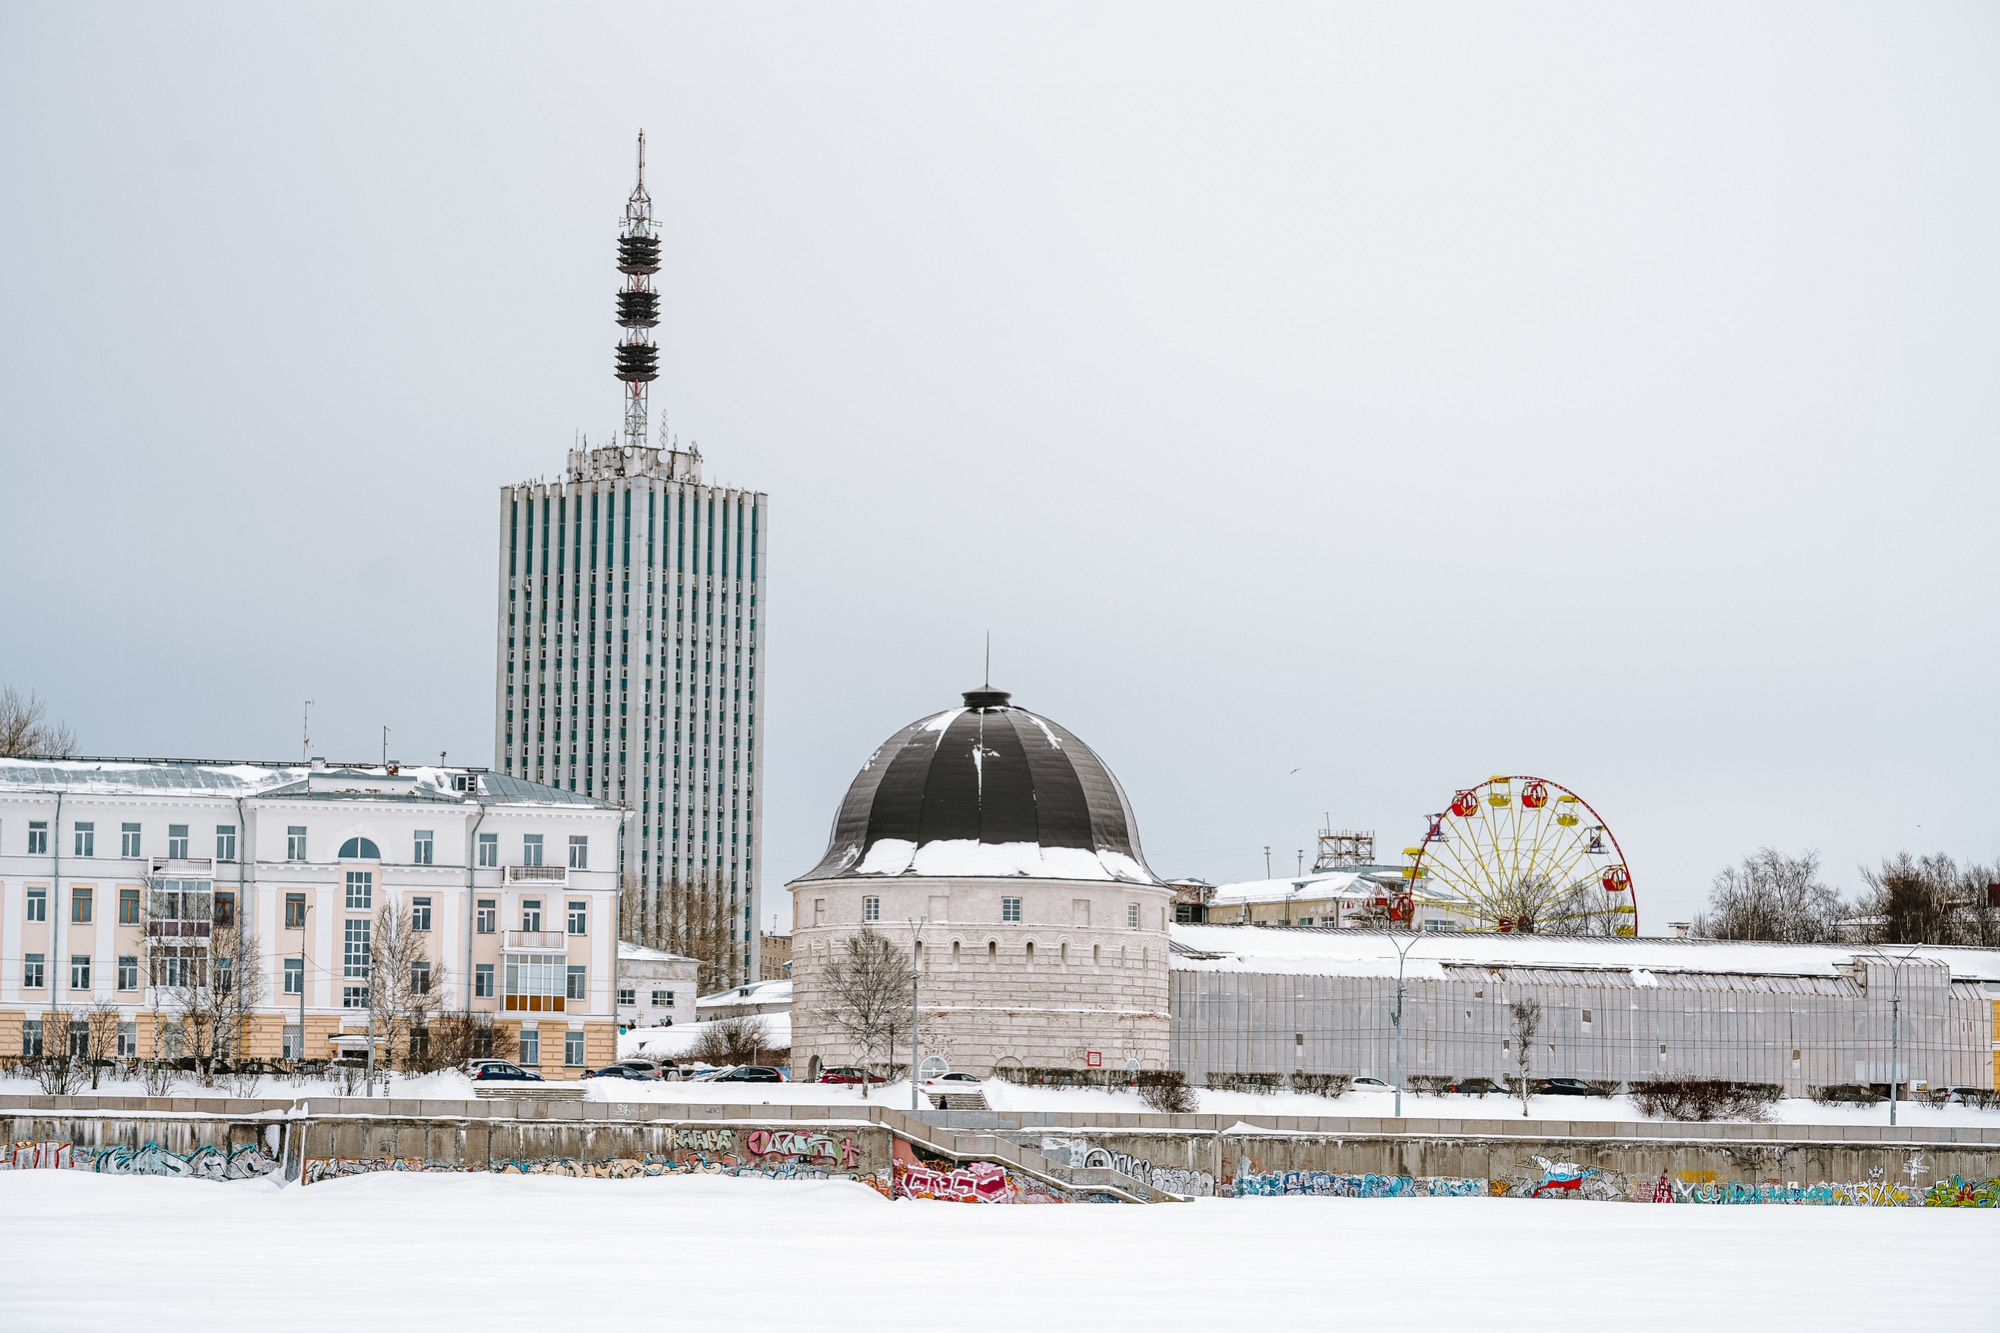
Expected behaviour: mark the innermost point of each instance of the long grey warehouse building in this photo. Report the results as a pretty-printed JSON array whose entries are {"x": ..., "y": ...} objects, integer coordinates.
[{"x": 1284, "y": 1000}]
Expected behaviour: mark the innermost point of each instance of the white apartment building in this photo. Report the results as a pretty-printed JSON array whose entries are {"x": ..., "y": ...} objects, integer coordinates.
[
  {"x": 628, "y": 648},
  {"x": 116, "y": 875},
  {"x": 655, "y": 988}
]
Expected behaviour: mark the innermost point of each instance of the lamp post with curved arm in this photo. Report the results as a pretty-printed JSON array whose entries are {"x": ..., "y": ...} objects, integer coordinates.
[{"x": 1396, "y": 1018}]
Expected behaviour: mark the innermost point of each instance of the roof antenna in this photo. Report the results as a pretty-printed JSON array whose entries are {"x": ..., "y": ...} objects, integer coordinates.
[{"x": 989, "y": 659}]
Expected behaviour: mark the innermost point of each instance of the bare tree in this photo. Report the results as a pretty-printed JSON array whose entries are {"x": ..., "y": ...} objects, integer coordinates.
[
  {"x": 1928, "y": 900},
  {"x": 405, "y": 989},
  {"x": 58, "y": 1065},
  {"x": 1774, "y": 897},
  {"x": 102, "y": 1021},
  {"x": 26, "y": 731},
  {"x": 458, "y": 1037},
  {"x": 1526, "y": 1020},
  {"x": 741, "y": 1040},
  {"x": 865, "y": 991}
]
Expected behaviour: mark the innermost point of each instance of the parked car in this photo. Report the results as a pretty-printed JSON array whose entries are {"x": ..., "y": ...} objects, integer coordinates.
[
  {"x": 1477, "y": 1087},
  {"x": 952, "y": 1082},
  {"x": 842, "y": 1074},
  {"x": 644, "y": 1068},
  {"x": 619, "y": 1071},
  {"x": 1565, "y": 1087},
  {"x": 1367, "y": 1082},
  {"x": 496, "y": 1071},
  {"x": 749, "y": 1074}
]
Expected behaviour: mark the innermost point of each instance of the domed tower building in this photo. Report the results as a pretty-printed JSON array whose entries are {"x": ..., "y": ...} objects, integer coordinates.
[{"x": 1044, "y": 943}]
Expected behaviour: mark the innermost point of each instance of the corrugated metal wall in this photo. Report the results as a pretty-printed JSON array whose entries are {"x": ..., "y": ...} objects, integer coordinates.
[{"x": 1795, "y": 1031}]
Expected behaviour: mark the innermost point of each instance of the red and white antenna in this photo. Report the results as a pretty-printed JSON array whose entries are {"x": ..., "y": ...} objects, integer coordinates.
[{"x": 638, "y": 360}]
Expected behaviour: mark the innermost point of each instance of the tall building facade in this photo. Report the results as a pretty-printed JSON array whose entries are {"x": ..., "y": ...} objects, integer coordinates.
[{"x": 629, "y": 640}]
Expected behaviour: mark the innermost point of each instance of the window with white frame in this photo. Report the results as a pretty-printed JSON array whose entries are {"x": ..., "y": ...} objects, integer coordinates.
[
  {"x": 531, "y": 849},
  {"x": 34, "y": 971},
  {"x": 579, "y": 851},
  {"x": 420, "y": 978},
  {"x": 128, "y": 971},
  {"x": 295, "y": 976},
  {"x": 293, "y": 1048},
  {"x": 225, "y": 842},
  {"x": 489, "y": 850},
  {"x": 129, "y": 841},
  {"x": 420, "y": 913},
  {"x": 531, "y": 914},
  {"x": 1010, "y": 910},
  {"x": 628, "y": 995},
  {"x": 360, "y": 890},
  {"x": 423, "y": 850},
  {"x": 531, "y": 1048},
  {"x": 38, "y": 904},
  {"x": 573, "y": 1049},
  {"x": 128, "y": 1041},
  {"x": 871, "y": 908},
  {"x": 79, "y": 971},
  {"x": 86, "y": 838},
  {"x": 579, "y": 984},
  {"x": 486, "y": 919},
  {"x": 38, "y": 837},
  {"x": 482, "y": 981},
  {"x": 1132, "y": 915},
  {"x": 295, "y": 842},
  {"x": 356, "y": 938},
  {"x": 579, "y": 917},
  {"x": 31, "y": 1039},
  {"x": 177, "y": 842},
  {"x": 354, "y": 997},
  {"x": 534, "y": 983},
  {"x": 663, "y": 998}
]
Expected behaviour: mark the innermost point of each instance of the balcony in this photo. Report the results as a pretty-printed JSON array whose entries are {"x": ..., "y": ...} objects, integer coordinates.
[
  {"x": 558, "y": 875},
  {"x": 182, "y": 867},
  {"x": 157, "y": 929},
  {"x": 535, "y": 941}
]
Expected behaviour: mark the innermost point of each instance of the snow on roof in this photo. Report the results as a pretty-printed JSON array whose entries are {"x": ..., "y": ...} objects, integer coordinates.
[
  {"x": 757, "y": 992},
  {"x": 1373, "y": 953},
  {"x": 1325, "y": 883},
  {"x": 195, "y": 777},
  {"x": 968, "y": 858},
  {"x": 640, "y": 953}
]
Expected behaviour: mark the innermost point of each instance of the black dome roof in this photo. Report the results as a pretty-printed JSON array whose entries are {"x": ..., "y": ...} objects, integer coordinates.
[{"x": 985, "y": 790}]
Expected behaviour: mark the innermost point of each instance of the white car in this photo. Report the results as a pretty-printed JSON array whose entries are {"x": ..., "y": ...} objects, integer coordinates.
[
  {"x": 953, "y": 1082},
  {"x": 1366, "y": 1082}
]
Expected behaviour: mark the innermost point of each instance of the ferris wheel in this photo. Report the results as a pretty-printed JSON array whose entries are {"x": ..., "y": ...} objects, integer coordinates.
[{"x": 1520, "y": 854}]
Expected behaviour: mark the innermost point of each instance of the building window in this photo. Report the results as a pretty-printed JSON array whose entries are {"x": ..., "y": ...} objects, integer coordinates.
[
  {"x": 38, "y": 904},
  {"x": 628, "y": 996},
  {"x": 225, "y": 975},
  {"x": 422, "y": 853},
  {"x": 992, "y": 951},
  {"x": 31, "y": 1039},
  {"x": 225, "y": 842},
  {"x": 579, "y": 984},
  {"x": 420, "y": 914},
  {"x": 79, "y": 971},
  {"x": 128, "y": 971},
  {"x": 79, "y": 906},
  {"x": 531, "y": 914},
  {"x": 295, "y": 976},
  {"x": 360, "y": 849},
  {"x": 573, "y": 1049},
  {"x": 1132, "y": 915},
  {"x": 420, "y": 978},
  {"x": 33, "y": 972},
  {"x": 355, "y": 949},
  {"x": 487, "y": 919},
  {"x": 128, "y": 907},
  {"x": 38, "y": 837},
  {"x": 489, "y": 849},
  {"x": 295, "y": 842},
  {"x": 86, "y": 839},
  {"x": 293, "y": 1048},
  {"x": 579, "y": 918},
  {"x": 354, "y": 997},
  {"x": 360, "y": 890},
  {"x": 482, "y": 981},
  {"x": 1010, "y": 910},
  {"x": 177, "y": 842},
  {"x": 128, "y": 1041},
  {"x": 579, "y": 852},
  {"x": 663, "y": 998},
  {"x": 871, "y": 908},
  {"x": 531, "y": 1048},
  {"x": 531, "y": 849},
  {"x": 128, "y": 841},
  {"x": 225, "y": 910},
  {"x": 295, "y": 911}
]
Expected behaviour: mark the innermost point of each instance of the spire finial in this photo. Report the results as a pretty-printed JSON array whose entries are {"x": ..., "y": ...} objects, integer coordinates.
[
  {"x": 989, "y": 659},
  {"x": 642, "y": 159}
]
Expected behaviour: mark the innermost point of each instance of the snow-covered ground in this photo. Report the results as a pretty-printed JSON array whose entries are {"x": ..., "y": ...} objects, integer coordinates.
[
  {"x": 1002, "y": 1096},
  {"x": 504, "y": 1252}
]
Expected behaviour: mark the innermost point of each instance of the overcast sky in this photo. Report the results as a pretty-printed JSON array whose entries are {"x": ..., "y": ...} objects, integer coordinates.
[{"x": 1325, "y": 407}]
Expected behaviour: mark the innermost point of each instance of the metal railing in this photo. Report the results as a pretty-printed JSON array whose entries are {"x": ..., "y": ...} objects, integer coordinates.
[{"x": 537, "y": 874}]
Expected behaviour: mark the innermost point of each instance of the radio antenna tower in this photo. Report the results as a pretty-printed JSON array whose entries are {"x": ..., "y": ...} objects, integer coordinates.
[{"x": 638, "y": 363}]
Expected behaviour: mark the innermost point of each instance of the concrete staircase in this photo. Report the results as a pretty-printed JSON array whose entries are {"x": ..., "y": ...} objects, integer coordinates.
[{"x": 965, "y": 1145}]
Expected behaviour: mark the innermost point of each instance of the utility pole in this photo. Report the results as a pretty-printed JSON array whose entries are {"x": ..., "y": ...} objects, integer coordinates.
[
  {"x": 304, "y": 919},
  {"x": 1267, "y": 863},
  {"x": 306, "y": 734},
  {"x": 1396, "y": 1019},
  {"x": 1895, "y": 1022},
  {"x": 916, "y": 983},
  {"x": 385, "y": 746}
]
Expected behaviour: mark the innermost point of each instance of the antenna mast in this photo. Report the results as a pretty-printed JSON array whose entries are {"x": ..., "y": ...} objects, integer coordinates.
[{"x": 638, "y": 360}]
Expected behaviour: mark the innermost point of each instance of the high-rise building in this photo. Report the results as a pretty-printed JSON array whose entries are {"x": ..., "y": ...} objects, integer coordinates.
[{"x": 628, "y": 641}]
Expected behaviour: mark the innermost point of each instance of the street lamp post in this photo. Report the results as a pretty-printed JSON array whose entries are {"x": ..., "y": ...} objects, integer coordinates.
[
  {"x": 1895, "y": 1022},
  {"x": 1396, "y": 1019},
  {"x": 916, "y": 982}
]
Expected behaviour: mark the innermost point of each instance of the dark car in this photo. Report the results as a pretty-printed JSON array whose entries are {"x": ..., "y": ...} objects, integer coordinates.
[
  {"x": 750, "y": 1074},
  {"x": 494, "y": 1071},
  {"x": 842, "y": 1074},
  {"x": 1565, "y": 1087},
  {"x": 1477, "y": 1087},
  {"x": 619, "y": 1071}
]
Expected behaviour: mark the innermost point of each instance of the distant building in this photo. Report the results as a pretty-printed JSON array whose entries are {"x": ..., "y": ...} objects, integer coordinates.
[
  {"x": 655, "y": 988},
  {"x": 756, "y": 999},
  {"x": 777, "y": 957},
  {"x": 147, "y": 884},
  {"x": 1365, "y": 896},
  {"x": 1192, "y": 899}
]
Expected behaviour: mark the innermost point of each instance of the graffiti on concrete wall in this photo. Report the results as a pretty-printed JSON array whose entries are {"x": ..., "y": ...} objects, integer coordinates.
[
  {"x": 1082, "y": 1153},
  {"x": 918, "y": 1176},
  {"x": 781, "y": 1154},
  {"x": 1336, "y": 1185},
  {"x": 207, "y": 1162}
]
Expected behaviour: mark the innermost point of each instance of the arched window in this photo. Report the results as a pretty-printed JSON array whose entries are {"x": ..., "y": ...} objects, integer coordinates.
[
  {"x": 1096, "y": 955},
  {"x": 954, "y": 951},
  {"x": 992, "y": 951},
  {"x": 1065, "y": 952},
  {"x": 360, "y": 849},
  {"x": 1031, "y": 953}
]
